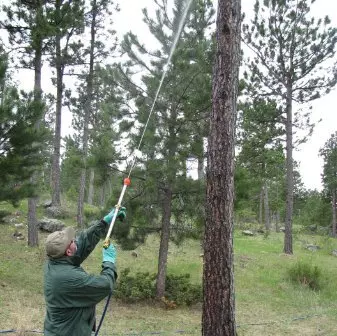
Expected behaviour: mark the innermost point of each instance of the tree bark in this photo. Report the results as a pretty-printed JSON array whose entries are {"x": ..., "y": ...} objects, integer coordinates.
[
  {"x": 56, "y": 189},
  {"x": 91, "y": 186},
  {"x": 87, "y": 112},
  {"x": 266, "y": 208},
  {"x": 164, "y": 243},
  {"x": 261, "y": 207},
  {"x": 277, "y": 221},
  {"x": 33, "y": 237},
  {"x": 334, "y": 213},
  {"x": 218, "y": 317},
  {"x": 102, "y": 195},
  {"x": 288, "y": 239}
]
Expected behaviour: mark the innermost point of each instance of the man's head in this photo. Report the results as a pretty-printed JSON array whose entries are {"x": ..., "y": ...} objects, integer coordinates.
[{"x": 61, "y": 243}]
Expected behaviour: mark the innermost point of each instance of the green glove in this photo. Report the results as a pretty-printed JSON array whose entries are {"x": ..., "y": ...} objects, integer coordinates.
[
  {"x": 110, "y": 253},
  {"x": 121, "y": 215}
]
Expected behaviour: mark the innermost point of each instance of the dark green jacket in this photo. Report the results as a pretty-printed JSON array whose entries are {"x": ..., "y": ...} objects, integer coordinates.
[{"x": 70, "y": 293}]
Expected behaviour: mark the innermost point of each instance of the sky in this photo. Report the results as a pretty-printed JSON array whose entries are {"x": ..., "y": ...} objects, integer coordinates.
[{"x": 130, "y": 19}]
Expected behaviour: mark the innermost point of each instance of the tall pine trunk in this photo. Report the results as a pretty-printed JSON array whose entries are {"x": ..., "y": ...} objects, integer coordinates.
[
  {"x": 277, "y": 221},
  {"x": 87, "y": 112},
  {"x": 91, "y": 186},
  {"x": 164, "y": 243},
  {"x": 218, "y": 316},
  {"x": 56, "y": 188},
  {"x": 33, "y": 237},
  {"x": 102, "y": 195},
  {"x": 334, "y": 225},
  {"x": 266, "y": 208},
  {"x": 261, "y": 207},
  {"x": 288, "y": 239}
]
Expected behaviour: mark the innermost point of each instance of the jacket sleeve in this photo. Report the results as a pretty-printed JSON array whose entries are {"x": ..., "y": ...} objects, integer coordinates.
[
  {"x": 84, "y": 290},
  {"x": 88, "y": 239}
]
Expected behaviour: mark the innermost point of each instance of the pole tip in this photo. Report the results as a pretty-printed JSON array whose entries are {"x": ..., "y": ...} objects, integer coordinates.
[{"x": 127, "y": 181}]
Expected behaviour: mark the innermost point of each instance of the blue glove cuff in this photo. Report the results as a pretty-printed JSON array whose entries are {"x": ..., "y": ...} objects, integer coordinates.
[{"x": 110, "y": 254}]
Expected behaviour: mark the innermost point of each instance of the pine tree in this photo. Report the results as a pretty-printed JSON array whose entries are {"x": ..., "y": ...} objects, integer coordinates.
[
  {"x": 167, "y": 140},
  {"x": 218, "y": 316},
  {"x": 103, "y": 128},
  {"x": 28, "y": 28},
  {"x": 71, "y": 167},
  {"x": 289, "y": 47},
  {"x": 67, "y": 21},
  {"x": 20, "y": 140},
  {"x": 96, "y": 51},
  {"x": 260, "y": 139},
  {"x": 329, "y": 176}
]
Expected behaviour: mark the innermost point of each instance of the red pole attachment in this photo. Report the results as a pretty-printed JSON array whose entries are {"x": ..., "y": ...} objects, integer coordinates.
[{"x": 127, "y": 181}]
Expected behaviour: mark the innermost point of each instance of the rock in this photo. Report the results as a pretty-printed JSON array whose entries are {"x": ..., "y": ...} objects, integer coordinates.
[
  {"x": 134, "y": 254},
  {"x": 311, "y": 247},
  {"x": 50, "y": 225},
  {"x": 47, "y": 204},
  {"x": 55, "y": 212},
  {"x": 334, "y": 253},
  {"x": 17, "y": 234},
  {"x": 247, "y": 233},
  {"x": 312, "y": 228},
  {"x": 18, "y": 226},
  {"x": 282, "y": 229}
]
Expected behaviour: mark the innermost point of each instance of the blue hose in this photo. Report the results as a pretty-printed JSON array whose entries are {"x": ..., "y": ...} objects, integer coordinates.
[{"x": 103, "y": 314}]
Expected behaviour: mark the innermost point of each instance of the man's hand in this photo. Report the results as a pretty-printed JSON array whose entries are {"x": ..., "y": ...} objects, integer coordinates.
[
  {"x": 121, "y": 215},
  {"x": 110, "y": 253}
]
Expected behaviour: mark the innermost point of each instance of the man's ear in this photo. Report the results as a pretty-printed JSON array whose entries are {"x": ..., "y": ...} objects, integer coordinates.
[{"x": 68, "y": 252}]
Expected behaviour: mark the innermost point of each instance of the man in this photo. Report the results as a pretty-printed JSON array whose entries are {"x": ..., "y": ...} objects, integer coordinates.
[{"x": 70, "y": 293}]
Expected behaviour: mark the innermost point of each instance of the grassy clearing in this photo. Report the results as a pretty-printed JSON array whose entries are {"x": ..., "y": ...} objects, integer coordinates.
[{"x": 267, "y": 303}]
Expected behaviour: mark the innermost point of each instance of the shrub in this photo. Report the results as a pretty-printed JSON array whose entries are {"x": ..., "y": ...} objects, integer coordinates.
[
  {"x": 142, "y": 287},
  {"x": 72, "y": 193},
  {"x": 3, "y": 214},
  {"x": 135, "y": 288},
  {"x": 181, "y": 291},
  {"x": 91, "y": 212},
  {"x": 305, "y": 274}
]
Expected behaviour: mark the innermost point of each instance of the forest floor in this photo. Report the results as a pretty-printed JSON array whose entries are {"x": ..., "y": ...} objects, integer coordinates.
[{"x": 267, "y": 302}]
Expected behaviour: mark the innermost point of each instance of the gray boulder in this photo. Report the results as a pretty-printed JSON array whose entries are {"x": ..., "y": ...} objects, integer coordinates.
[
  {"x": 47, "y": 204},
  {"x": 50, "y": 225},
  {"x": 248, "y": 233},
  {"x": 54, "y": 212},
  {"x": 313, "y": 248}
]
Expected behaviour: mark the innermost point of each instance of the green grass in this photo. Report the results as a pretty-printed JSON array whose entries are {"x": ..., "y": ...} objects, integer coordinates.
[{"x": 267, "y": 303}]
